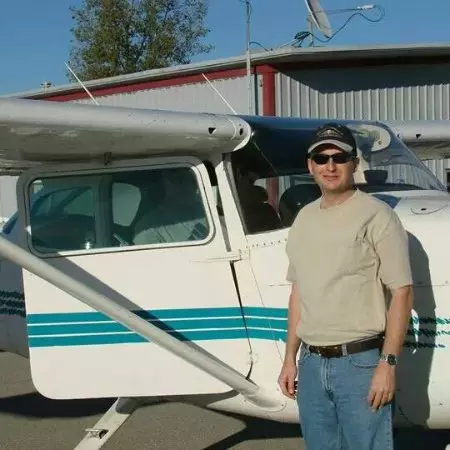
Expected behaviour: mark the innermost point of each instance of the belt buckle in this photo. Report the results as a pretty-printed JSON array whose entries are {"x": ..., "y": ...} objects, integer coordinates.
[
  {"x": 316, "y": 349},
  {"x": 335, "y": 351}
]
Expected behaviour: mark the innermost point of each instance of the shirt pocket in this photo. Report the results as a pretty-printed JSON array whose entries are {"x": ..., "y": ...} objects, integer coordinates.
[{"x": 356, "y": 256}]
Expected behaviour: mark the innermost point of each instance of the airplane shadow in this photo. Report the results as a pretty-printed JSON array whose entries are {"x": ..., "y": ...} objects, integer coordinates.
[
  {"x": 34, "y": 405},
  {"x": 413, "y": 403},
  {"x": 412, "y": 438},
  {"x": 418, "y": 438},
  {"x": 256, "y": 429}
]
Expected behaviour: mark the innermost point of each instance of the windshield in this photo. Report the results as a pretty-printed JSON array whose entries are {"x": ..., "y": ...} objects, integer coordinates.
[
  {"x": 386, "y": 164},
  {"x": 271, "y": 172}
]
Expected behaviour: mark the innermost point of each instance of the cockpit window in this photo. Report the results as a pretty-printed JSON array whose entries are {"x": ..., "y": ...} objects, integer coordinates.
[
  {"x": 273, "y": 183},
  {"x": 117, "y": 209},
  {"x": 386, "y": 164},
  {"x": 63, "y": 216}
]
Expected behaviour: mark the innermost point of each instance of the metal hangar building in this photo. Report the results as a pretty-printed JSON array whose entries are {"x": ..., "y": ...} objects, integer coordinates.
[{"x": 402, "y": 82}]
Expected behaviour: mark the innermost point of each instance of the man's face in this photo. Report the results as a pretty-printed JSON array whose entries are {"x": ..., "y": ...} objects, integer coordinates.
[{"x": 333, "y": 177}]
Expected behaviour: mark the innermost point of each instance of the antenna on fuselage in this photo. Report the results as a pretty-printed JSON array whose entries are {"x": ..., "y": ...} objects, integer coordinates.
[
  {"x": 219, "y": 94},
  {"x": 81, "y": 83}
]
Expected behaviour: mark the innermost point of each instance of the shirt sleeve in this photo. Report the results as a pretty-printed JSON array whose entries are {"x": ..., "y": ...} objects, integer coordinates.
[
  {"x": 290, "y": 275},
  {"x": 392, "y": 249}
]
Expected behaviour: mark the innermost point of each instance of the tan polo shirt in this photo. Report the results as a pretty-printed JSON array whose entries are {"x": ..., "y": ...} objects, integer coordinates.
[{"x": 342, "y": 259}]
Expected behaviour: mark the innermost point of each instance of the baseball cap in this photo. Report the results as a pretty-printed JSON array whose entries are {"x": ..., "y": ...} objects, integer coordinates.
[{"x": 333, "y": 134}]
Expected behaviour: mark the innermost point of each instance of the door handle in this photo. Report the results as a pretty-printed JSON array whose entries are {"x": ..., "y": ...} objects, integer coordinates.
[{"x": 238, "y": 255}]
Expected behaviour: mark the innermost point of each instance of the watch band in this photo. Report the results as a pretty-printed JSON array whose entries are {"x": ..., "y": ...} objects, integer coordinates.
[{"x": 389, "y": 358}]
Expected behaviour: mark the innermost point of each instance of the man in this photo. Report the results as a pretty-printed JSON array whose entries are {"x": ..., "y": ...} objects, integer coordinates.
[{"x": 346, "y": 251}]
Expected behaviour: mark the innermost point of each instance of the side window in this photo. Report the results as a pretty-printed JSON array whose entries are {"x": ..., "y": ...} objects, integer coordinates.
[
  {"x": 272, "y": 203},
  {"x": 296, "y": 192},
  {"x": 259, "y": 214},
  {"x": 117, "y": 209},
  {"x": 125, "y": 200},
  {"x": 62, "y": 218},
  {"x": 170, "y": 210}
]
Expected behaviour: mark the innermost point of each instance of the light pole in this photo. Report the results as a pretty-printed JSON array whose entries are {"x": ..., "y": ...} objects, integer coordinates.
[{"x": 248, "y": 8}]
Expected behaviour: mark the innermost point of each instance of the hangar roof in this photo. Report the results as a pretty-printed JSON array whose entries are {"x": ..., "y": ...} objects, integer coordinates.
[{"x": 288, "y": 57}]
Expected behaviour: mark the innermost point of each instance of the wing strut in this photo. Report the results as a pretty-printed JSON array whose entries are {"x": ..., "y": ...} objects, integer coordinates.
[{"x": 270, "y": 400}]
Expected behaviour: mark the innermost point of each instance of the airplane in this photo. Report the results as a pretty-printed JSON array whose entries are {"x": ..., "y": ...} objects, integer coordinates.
[{"x": 147, "y": 256}]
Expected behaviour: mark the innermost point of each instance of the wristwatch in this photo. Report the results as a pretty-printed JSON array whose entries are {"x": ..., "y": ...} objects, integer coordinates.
[{"x": 389, "y": 358}]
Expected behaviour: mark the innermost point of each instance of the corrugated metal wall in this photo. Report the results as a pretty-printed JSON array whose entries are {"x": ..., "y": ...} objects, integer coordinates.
[
  {"x": 196, "y": 97},
  {"x": 411, "y": 92},
  {"x": 439, "y": 167}
]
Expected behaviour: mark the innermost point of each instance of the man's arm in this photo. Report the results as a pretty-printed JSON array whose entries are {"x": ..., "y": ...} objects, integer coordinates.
[
  {"x": 383, "y": 383},
  {"x": 398, "y": 320},
  {"x": 289, "y": 370}
]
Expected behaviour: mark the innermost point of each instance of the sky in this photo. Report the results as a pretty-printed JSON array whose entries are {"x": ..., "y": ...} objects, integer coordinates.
[{"x": 35, "y": 36}]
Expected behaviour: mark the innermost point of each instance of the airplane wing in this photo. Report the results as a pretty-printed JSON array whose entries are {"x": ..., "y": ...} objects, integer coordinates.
[
  {"x": 429, "y": 139},
  {"x": 34, "y": 131}
]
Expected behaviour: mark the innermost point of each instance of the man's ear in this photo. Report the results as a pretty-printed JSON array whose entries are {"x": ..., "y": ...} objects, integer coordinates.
[
  {"x": 355, "y": 164},
  {"x": 310, "y": 166}
]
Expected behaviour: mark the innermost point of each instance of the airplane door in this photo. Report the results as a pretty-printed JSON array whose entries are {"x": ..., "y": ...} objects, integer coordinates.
[{"x": 149, "y": 237}]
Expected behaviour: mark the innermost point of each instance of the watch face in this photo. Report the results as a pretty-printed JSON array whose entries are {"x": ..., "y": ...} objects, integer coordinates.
[{"x": 391, "y": 360}]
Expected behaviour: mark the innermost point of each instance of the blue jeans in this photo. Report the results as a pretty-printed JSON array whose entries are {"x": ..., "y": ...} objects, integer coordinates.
[{"x": 332, "y": 400}]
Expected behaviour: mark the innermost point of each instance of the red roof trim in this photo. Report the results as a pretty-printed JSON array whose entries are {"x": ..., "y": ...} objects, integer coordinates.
[
  {"x": 157, "y": 84},
  {"x": 146, "y": 85}
]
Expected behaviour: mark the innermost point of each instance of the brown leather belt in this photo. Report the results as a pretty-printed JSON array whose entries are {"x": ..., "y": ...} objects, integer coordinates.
[{"x": 336, "y": 351}]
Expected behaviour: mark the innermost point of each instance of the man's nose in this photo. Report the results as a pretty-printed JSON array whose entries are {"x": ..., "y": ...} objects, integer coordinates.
[{"x": 331, "y": 165}]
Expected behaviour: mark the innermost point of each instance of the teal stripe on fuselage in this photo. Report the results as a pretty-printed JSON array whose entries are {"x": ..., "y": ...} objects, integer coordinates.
[
  {"x": 93, "y": 328},
  {"x": 178, "y": 325},
  {"x": 132, "y": 338}
]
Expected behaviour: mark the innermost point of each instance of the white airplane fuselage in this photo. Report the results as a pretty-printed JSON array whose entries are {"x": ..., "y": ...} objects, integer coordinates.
[{"x": 213, "y": 275}]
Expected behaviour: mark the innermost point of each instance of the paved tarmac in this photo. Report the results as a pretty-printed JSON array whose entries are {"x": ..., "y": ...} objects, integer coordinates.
[{"x": 30, "y": 421}]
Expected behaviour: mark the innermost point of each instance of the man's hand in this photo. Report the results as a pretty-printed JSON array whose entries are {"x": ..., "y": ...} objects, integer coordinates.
[
  {"x": 383, "y": 386},
  {"x": 286, "y": 380}
]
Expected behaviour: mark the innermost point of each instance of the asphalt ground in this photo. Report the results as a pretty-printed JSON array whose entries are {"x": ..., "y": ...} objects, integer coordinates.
[{"x": 30, "y": 421}]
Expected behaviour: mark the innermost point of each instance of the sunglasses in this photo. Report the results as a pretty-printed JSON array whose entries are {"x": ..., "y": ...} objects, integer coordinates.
[{"x": 338, "y": 158}]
